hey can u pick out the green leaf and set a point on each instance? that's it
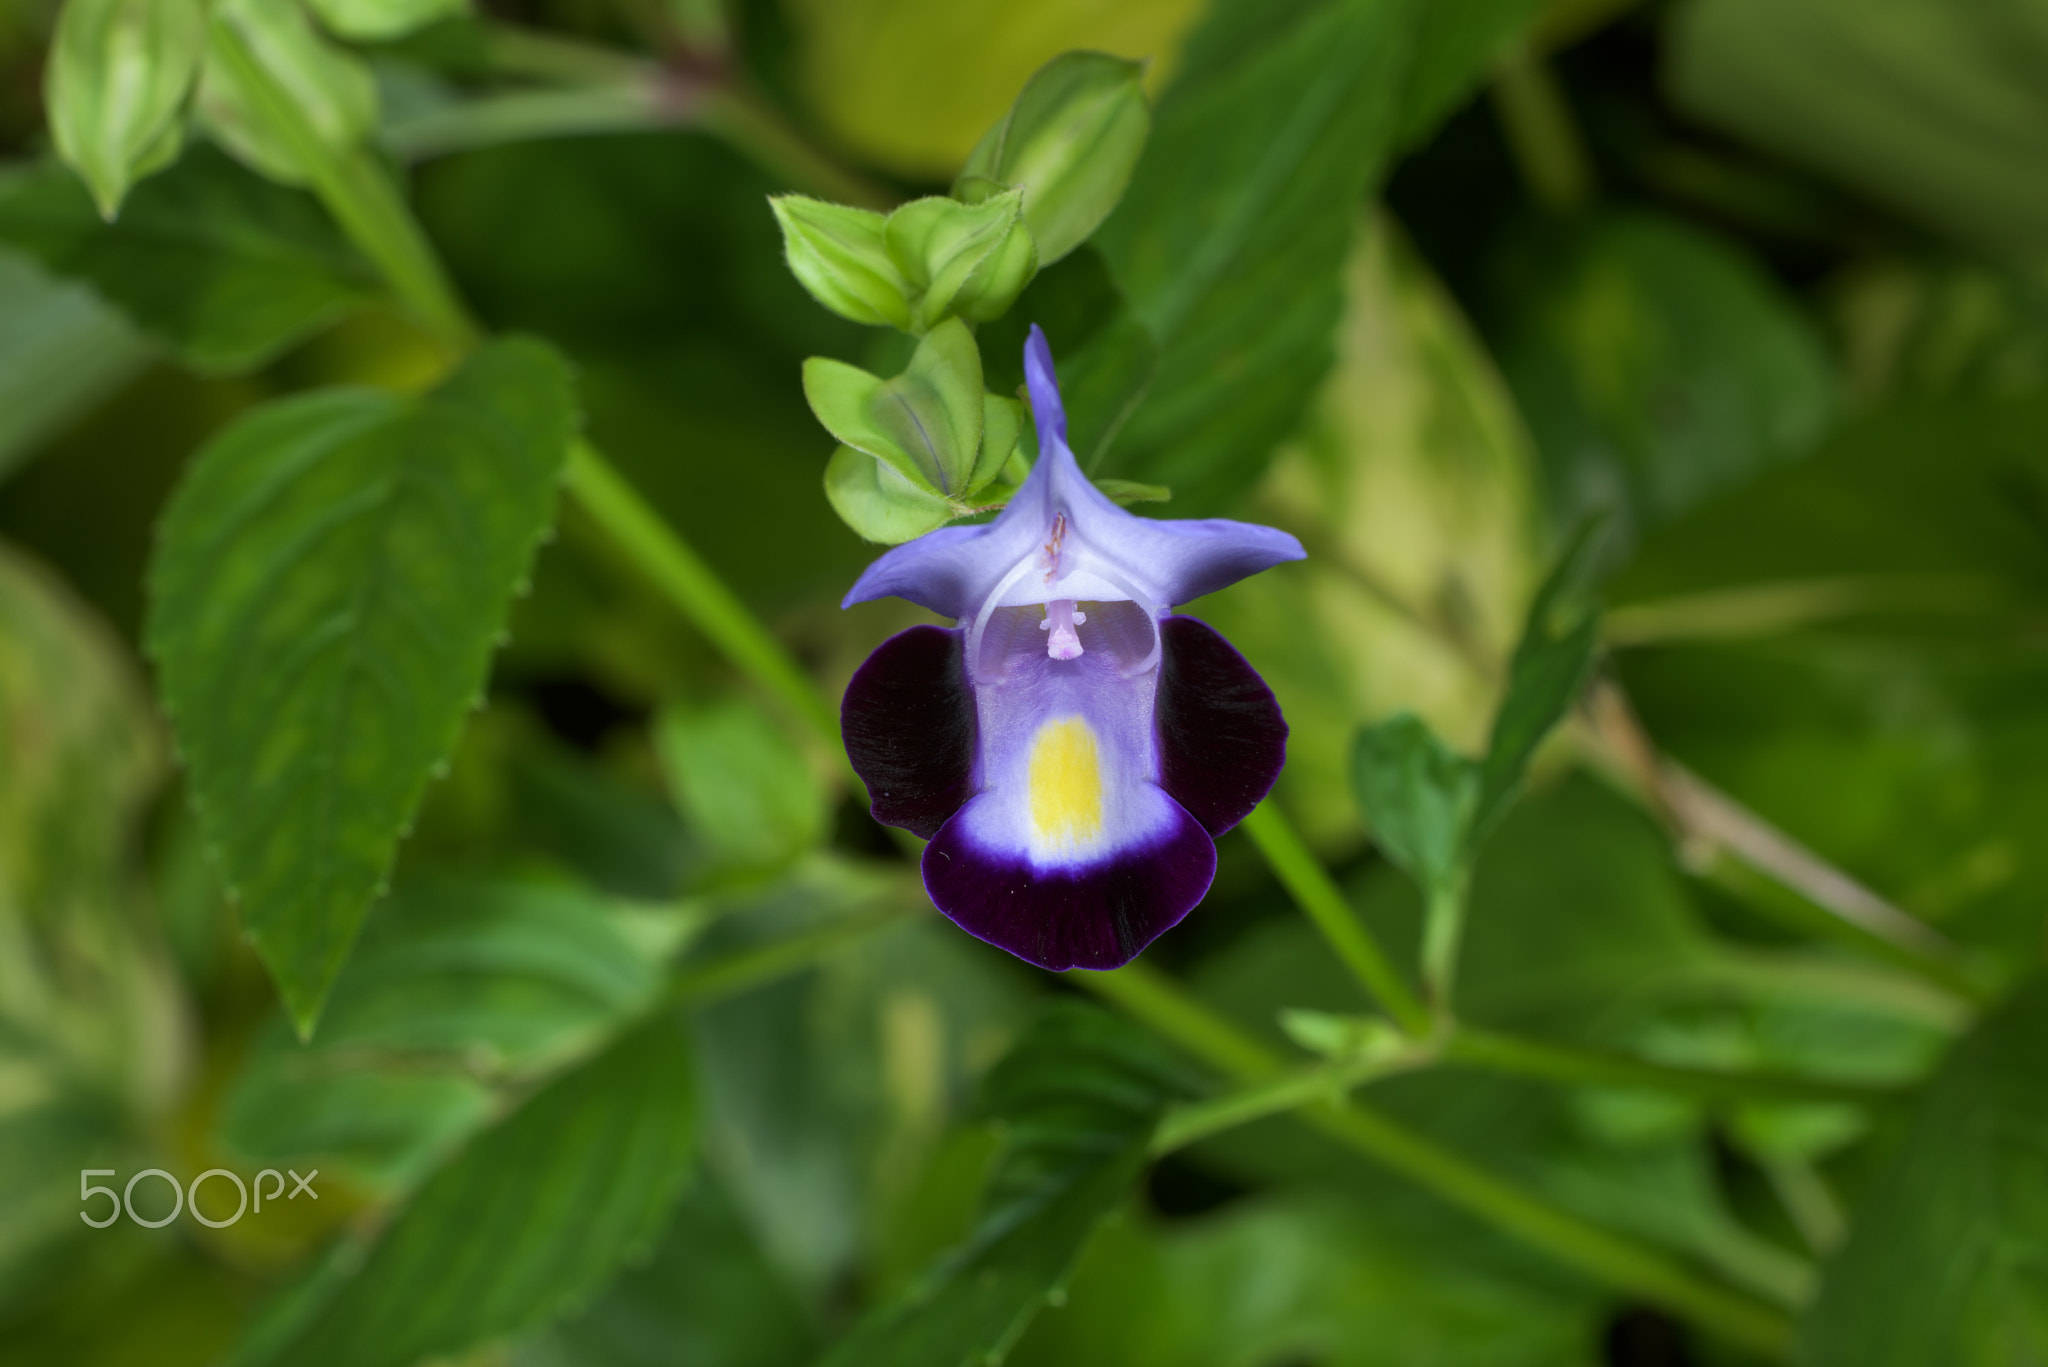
(1657, 367)
(62, 350)
(118, 75)
(1306, 1277)
(227, 269)
(457, 984)
(326, 591)
(1457, 43)
(874, 499)
(531, 1219)
(1127, 491)
(925, 424)
(741, 782)
(1933, 108)
(1429, 807)
(1231, 242)
(86, 990)
(1104, 355)
(706, 1297)
(969, 261)
(333, 87)
(840, 255)
(1418, 797)
(1077, 1096)
(1549, 667)
(1069, 143)
(378, 21)
(1414, 487)
(1947, 1259)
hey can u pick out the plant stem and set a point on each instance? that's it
(745, 969)
(1540, 133)
(1324, 903)
(1533, 1058)
(643, 537)
(355, 189)
(1288, 1091)
(1443, 929)
(1618, 1261)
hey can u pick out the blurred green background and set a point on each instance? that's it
(1765, 280)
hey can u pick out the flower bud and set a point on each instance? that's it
(839, 255)
(333, 88)
(378, 21)
(1069, 143)
(119, 74)
(961, 260)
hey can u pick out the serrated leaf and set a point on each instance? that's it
(334, 89)
(839, 255)
(327, 588)
(1230, 243)
(1069, 143)
(1947, 1259)
(118, 76)
(1077, 1098)
(377, 21)
(528, 1221)
(925, 424)
(223, 266)
(744, 784)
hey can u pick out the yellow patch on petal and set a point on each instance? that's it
(1066, 782)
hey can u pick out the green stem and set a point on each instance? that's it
(756, 131)
(640, 534)
(1618, 1261)
(619, 92)
(355, 189)
(1329, 1082)
(1558, 1063)
(743, 970)
(1443, 930)
(1325, 905)
(525, 115)
(1540, 133)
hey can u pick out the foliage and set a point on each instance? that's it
(433, 449)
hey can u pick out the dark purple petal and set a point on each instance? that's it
(908, 723)
(1047, 412)
(1096, 916)
(1222, 739)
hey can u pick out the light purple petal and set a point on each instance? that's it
(1105, 552)
(1046, 409)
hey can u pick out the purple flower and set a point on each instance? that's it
(1070, 748)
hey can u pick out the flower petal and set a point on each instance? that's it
(1047, 412)
(908, 721)
(1092, 916)
(1222, 740)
